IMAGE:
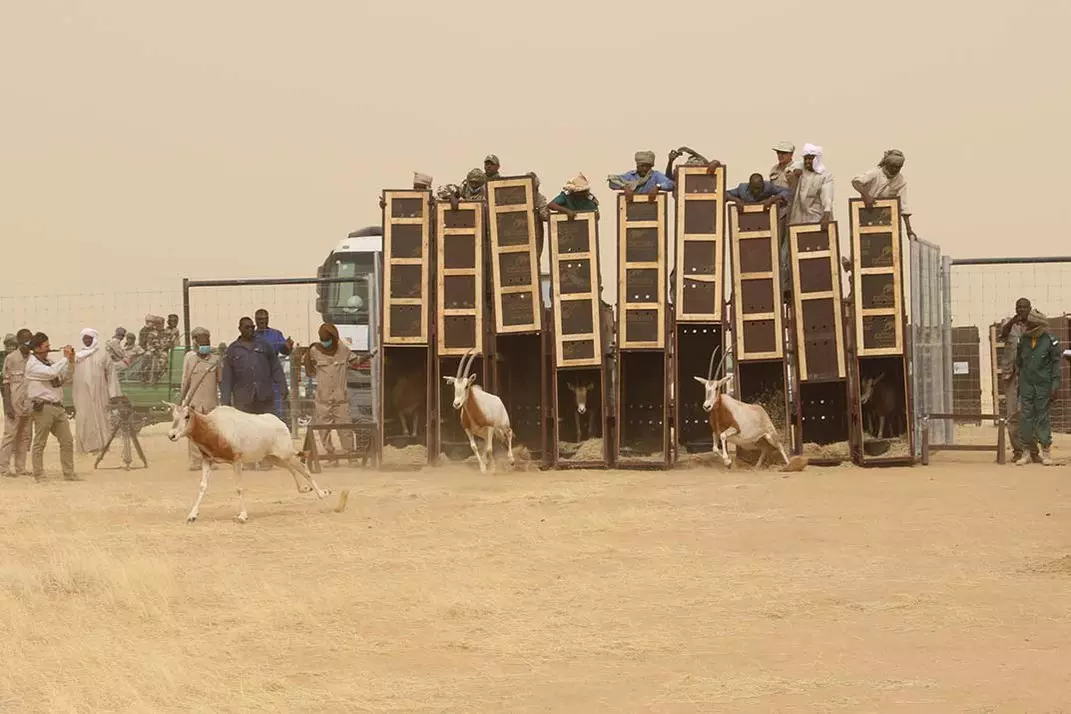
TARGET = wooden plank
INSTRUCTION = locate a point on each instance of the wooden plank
(699, 242)
(574, 282)
(518, 303)
(459, 271)
(406, 265)
(877, 277)
(757, 316)
(641, 273)
(819, 314)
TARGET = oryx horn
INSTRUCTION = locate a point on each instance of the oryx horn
(710, 367)
(471, 355)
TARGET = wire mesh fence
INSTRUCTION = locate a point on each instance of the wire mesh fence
(61, 317)
(982, 295)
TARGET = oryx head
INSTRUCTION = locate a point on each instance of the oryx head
(713, 386)
(181, 421)
(866, 387)
(581, 394)
(462, 381)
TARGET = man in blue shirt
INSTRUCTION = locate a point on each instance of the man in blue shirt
(643, 179)
(758, 190)
(252, 374)
(282, 346)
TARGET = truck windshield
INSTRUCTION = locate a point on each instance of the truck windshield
(348, 303)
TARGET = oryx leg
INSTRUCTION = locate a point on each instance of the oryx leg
(775, 443)
(490, 446)
(296, 468)
(243, 515)
(475, 450)
(591, 424)
(579, 436)
(881, 426)
(731, 431)
(762, 457)
(509, 445)
(206, 469)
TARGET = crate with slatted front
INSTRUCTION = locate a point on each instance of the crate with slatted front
(643, 369)
(698, 289)
(461, 311)
(519, 373)
(823, 429)
(879, 329)
(578, 355)
(407, 334)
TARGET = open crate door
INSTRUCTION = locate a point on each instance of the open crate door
(643, 370)
(879, 322)
(461, 313)
(407, 345)
(518, 371)
(579, 440)
(761, 373)
(823, 428)
(698, 314)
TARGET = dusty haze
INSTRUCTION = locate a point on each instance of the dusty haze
(150, 141)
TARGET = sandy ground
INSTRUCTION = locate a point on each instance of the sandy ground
(940, 589)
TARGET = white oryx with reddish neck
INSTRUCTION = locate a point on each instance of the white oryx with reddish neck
(747, 426)
(481, 412)
(227, 435)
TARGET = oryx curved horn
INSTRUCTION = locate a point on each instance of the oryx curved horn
(721, 365)
(710, 367)
(471, 355)
(460, 364)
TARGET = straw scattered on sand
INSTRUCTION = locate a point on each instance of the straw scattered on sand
(837, 450)
(590, 450)
(414, 455)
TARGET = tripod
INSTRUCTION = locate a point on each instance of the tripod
(123, 420)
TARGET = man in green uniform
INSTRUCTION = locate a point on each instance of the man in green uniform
(1038, 364)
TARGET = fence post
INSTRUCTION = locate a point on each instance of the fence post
(186, 310)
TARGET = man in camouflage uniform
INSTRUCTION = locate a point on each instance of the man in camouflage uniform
(170, 337)
(1038, 366)
(1010, 333)
(150, 340)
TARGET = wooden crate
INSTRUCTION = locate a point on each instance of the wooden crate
(700, 253)
(574, 271)
(819, 314)
(514, 258)
(877, 271)
(406, 266)
(460, 278)
(641, 273)
(757, 315)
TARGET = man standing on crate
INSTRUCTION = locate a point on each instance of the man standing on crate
(1010, 333)
(1038, 365)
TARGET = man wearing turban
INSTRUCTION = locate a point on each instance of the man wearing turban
(1038, 364)
(886, 181)
(575, 198)
(643, 179)
(813, 202)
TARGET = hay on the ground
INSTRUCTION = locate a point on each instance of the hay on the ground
(590, 450)
(414, 455)
(840, 450)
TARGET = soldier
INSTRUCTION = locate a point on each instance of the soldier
(1038, 364)
(18, 419)
(491, 167)
(1010, 333)
(170, 336)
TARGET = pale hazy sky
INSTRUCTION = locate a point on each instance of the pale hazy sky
(153, 140)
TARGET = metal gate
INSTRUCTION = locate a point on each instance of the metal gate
(931, 342)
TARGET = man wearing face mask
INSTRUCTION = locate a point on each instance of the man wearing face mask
(44, 388)
(328, 360)
(18, 421)
(201, 377)
(251, 373)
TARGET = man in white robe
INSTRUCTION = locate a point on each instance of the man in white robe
(90, 392)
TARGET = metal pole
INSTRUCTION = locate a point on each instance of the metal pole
(186, 310)
(1011, 261)
(946, 341)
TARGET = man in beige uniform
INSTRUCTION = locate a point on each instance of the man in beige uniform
(201, 375)
(18, 423)
(328, 361)
(44, 387)
(783, 172)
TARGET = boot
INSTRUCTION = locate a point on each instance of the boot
(1023, 460)
(1046, 457)
(1016, 455)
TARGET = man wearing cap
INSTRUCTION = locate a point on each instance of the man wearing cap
(783, 172)
(18, 419)
(886, 181)
(491, 166)
(813, 202)
(421, 182)
(643, 179)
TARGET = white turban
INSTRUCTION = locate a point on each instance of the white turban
(81, 354)
(816, 152)
(578, 183)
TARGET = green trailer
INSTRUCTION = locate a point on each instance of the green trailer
(146, 388)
